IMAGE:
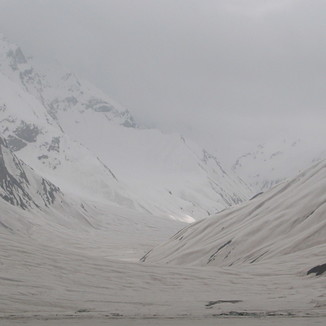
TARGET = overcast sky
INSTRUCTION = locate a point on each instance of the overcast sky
(238, 72)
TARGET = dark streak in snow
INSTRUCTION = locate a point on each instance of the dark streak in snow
(318, 270)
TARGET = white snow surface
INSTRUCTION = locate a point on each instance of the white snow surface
(38, 140)
(77, 262)
(285, 224)
(271, 163)
(72, 257)
(82, 141)
(57, 266)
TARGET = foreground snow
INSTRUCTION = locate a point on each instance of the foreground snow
(61, 272)
(37, 280)
(170, 322)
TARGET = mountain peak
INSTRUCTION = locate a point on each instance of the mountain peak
(59, 90)
(79, 138)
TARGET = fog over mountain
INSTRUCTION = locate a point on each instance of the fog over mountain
(85, 143)
(162, 162)
(231, 74)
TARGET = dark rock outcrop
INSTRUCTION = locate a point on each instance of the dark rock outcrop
(20, 185)
(318, 270)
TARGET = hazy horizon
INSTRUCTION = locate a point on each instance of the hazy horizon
(228, 74)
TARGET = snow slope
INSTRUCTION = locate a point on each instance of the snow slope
(38, 140)
(42, 281)
(34, 208)
(69, 262)
(68, 255)
(56, 267)
(286, 223)
(73, 261)
(81, 140)
(272, 163)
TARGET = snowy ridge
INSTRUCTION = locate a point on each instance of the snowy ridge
(38, 140)
(287, 222)
(65, 128)
(270, 164)
(58, 89)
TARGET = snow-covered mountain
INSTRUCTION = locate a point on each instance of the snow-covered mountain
(272, 163)
(33, 208)
(29, 202)
(78, 138)
(287, 223)
(71, 261)
(72, 252)
(38, 140)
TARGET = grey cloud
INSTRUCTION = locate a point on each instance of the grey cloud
(239, 72)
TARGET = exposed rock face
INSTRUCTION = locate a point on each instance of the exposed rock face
(15, 143)
(20, 185)
(16, 58)
(27, 132)
(318, 270)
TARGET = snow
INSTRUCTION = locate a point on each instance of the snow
(76, 259)
(79, 261)
(87, 144)
(52, 153)
(41, 277)
(271, 163)
(171, 322)
(285, 223)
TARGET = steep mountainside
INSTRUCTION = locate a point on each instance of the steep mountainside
(33, 208)
(20, 186)
(85, 143)
(286, 223)
(38, 140)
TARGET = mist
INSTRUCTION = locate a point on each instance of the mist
(229, 74)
